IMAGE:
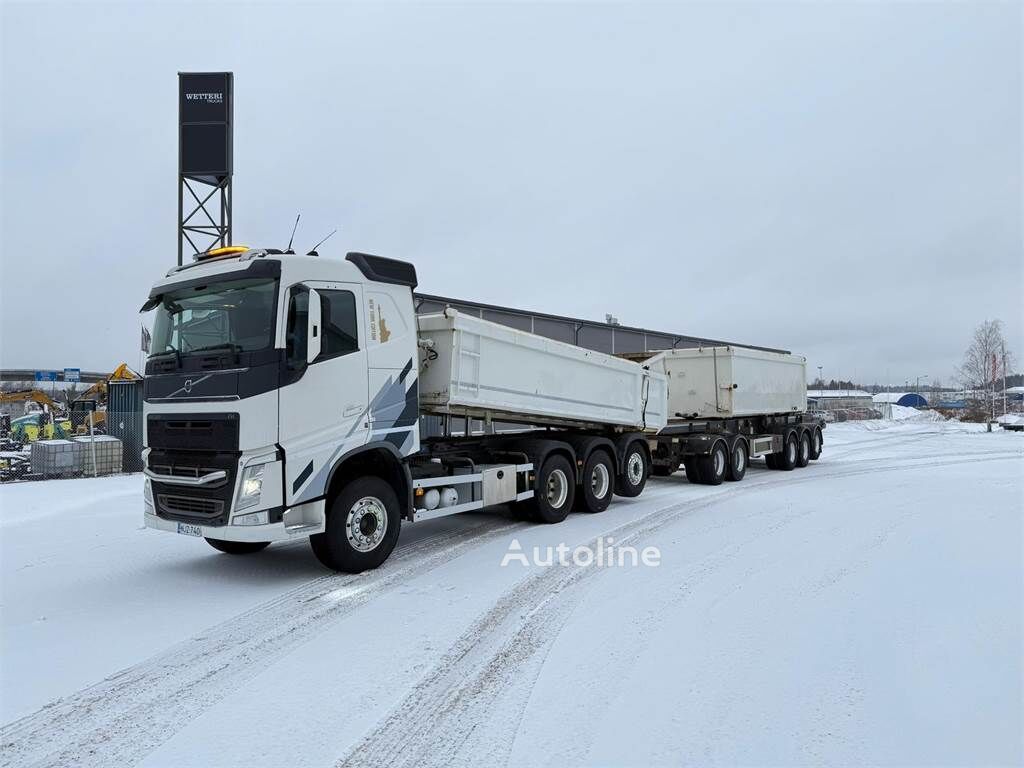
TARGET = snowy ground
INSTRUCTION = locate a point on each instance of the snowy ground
(864, 610)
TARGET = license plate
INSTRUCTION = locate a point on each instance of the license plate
(189, 530)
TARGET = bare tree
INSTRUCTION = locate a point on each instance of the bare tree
(986, 360)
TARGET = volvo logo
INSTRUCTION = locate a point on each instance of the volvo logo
(188, 386)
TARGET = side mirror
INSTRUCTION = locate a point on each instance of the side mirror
(313, 329)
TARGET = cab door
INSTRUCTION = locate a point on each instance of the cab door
(324, 393)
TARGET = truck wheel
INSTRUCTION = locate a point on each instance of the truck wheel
(692, 469)
(634, 472)
(738, 461)
(804, 454)
(362, 527)
(786, 460)
(237, 547)
(595, 491)
(714, 466)
(770, 460)
(815, 444)
(663, 470)
(555, 490)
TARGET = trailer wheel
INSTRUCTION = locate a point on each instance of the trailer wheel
(815, 444)
(362, 527)
(804, 454)
(555, 490)
(738, 461)
(634, 471)
(786, 460)
(596, 484)
(238, 547)
(692, 469)
(714, 466)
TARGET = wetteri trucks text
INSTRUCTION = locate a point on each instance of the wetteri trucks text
(283, 397)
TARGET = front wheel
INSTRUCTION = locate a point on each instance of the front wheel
(634, 471)
(362, 527)
(238, 547)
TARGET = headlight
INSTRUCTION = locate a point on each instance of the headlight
(251, 488)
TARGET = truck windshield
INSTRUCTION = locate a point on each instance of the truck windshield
(236, 315)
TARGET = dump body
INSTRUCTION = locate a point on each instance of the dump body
(482, 369)
(728, 382)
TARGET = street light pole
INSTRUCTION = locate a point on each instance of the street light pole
(917, 384)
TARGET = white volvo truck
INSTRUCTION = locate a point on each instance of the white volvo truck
(283, 396)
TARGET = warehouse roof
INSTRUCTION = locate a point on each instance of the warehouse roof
(822, 394)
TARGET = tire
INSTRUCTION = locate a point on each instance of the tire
(692, 469)
(634, 471)
(238, 547)
(803, 455)
(715, 465)
(663, 470)
(597, 484)
(738, 460)
(555, 490)
(363, 522)
(771, 460)
(816, 444)
(786, 460)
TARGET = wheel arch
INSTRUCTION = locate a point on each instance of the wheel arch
(377, 459)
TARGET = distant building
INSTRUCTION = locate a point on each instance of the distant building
(908, 399)
(838, 399)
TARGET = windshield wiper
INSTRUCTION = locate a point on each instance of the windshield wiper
(176, 353)
(228, 345)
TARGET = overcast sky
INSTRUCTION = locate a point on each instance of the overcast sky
(842, 180)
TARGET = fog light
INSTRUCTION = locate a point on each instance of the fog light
(251, 487)
(253, 518)
(147, 496)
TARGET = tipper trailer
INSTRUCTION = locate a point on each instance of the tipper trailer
(283, 397)
(727, 405)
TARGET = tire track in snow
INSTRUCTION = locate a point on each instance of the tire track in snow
(121, 719)
(501, 654)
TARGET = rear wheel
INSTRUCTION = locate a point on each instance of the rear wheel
(362, 527)
(595, 490)
(715, 465)
(634, 471)
(804, 454)
(238, 547)
(815, 444)
(692, 469)
(786, 460)
(738, 461)
(554, 490)
(771, 460)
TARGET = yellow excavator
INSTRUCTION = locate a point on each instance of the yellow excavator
(44, 424)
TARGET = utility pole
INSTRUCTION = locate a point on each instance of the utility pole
(1004, 378)
(917, 385)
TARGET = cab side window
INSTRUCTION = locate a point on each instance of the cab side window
(295, 333)
(338, 320)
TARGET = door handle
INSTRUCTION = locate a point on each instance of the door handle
(352, 409)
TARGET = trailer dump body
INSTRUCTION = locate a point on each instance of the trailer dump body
(731, 382)
(473, 367)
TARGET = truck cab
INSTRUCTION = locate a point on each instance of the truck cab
(273, 377)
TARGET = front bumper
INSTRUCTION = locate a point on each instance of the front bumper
(298, 522)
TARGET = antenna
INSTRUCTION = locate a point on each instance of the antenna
(289, 248)
(312, 251)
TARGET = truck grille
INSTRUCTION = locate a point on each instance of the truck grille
(190, 505)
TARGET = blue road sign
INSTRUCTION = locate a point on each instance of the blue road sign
(46, 375)
(72, 374)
